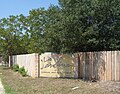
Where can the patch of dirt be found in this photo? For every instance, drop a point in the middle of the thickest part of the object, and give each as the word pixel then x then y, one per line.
pixel 30 85
pixel 111 86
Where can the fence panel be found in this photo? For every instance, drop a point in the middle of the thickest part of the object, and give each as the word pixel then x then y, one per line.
pixel 103 65
pixel 29 61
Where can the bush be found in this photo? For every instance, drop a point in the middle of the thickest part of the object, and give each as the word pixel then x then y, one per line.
pixel 22 71
pixel 15 67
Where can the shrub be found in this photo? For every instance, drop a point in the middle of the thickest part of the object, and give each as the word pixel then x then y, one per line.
pixel 15 67
pixel 22 71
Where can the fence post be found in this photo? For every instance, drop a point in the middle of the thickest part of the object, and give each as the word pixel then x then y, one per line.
pixel 38 65
pixel 78 61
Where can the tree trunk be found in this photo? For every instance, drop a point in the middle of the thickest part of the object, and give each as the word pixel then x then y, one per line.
pixel 11 61
pixel 10 58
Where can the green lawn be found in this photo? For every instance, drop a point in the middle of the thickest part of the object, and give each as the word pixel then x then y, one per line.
pixel 14 83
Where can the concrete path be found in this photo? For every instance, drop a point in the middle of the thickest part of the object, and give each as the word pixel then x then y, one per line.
pixel 1 88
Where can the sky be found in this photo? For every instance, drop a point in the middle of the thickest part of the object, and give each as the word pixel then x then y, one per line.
pixel 16 7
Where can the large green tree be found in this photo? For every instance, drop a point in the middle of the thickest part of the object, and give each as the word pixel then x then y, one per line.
pixel 10 36
pixel 91 25
pixel 73 26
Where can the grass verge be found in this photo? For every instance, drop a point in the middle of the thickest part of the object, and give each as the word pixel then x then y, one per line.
pixel 8 90
pixel 14 83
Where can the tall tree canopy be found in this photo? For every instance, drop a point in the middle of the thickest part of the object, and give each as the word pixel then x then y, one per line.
pixel 91 25
pixel 73 26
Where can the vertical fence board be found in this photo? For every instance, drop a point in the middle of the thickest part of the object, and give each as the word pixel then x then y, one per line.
pixel 103 71
pixel 101 65
pixel 96 65
pixel 81 64
pixel 117 65
pixel 109 65
pixel 84 66
pixel 92 64
pixel 113 65
pixel 105 59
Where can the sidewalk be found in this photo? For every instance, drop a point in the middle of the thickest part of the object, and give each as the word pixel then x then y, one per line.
pixel 1 88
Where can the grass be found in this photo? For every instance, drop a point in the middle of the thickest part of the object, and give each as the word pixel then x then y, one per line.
pixel 14 83
pixel 8 90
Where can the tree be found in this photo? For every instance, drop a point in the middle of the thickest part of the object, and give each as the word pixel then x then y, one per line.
pixel 73 26
pixel 36 22
pixel 52 30
pixel 91 25
pixel 10 36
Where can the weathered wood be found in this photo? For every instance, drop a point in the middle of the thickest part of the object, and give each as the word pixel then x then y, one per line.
pixel 103 65
pixel 117 66
pixel 100 65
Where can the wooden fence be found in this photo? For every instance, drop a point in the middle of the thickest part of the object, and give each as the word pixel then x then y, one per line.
pixel 29 61
pixel 86 65
pixel 99 65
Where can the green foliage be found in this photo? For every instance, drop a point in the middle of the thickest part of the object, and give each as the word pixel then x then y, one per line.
pixel 73 26
pixel 90 25
pixel 22 71
pixel 11 37
pixel 15 67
